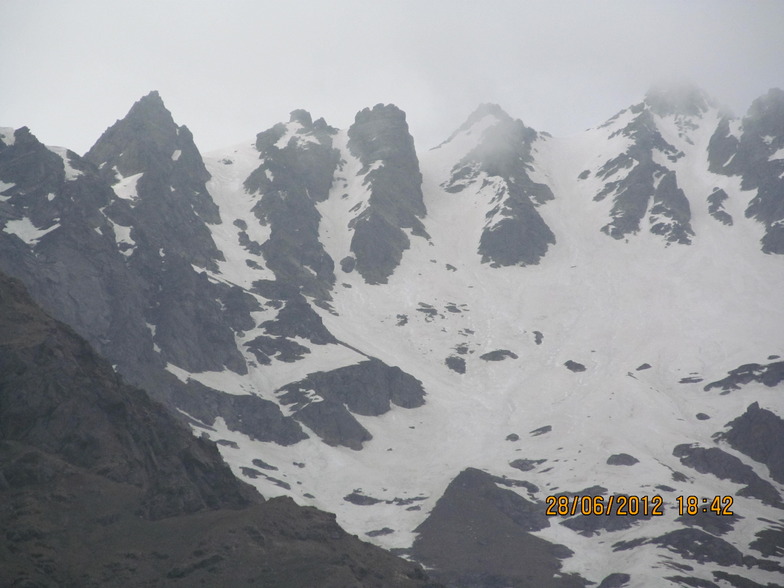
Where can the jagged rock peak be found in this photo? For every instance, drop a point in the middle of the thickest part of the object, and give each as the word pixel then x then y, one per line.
pixel 318 127
pixel 682 98
pixel 150 110
pixel 482 111
pixel 381 133
pixel 767 112
pixel 20 136
pixel 152 98
pixel 301 116
pixel 380 110
pixel 487 109
pixel 145 137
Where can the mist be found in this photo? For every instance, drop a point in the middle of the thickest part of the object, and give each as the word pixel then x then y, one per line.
pixel 231 70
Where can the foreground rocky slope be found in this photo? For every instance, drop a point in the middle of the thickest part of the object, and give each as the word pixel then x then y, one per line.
pixel 101 486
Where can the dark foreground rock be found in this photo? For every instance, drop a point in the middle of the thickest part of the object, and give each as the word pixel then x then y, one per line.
pixel 100 486
pixel 479 534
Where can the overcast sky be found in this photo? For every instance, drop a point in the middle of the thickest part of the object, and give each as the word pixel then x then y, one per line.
pixel 229 69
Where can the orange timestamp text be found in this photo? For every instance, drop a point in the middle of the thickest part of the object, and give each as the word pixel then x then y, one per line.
pixel 632 505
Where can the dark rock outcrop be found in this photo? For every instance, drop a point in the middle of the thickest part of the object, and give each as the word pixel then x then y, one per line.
pixel 58 396
pixel 770 374
pixel 574 366
pixel 479 535
pixel 759 433
pixel 498 355
pixel 725 466
pixel 670 214
pixel 755 154
pixel 323 400
pixel 514 231
pixel 291 179
pixel 456 364
pixel 379 138
pixel 617 580
pixel 710 522
pixel 259 419
pixel 131 238
pixel 698 545
pixel 171 201
pixel 716 206
pixel 638 182
pixel 622 459
pixel 101 486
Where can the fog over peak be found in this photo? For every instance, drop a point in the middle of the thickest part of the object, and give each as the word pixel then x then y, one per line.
pixel 677 97
pixel 230 71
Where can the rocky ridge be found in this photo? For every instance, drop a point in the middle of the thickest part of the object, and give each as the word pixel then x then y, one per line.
pixel 349 301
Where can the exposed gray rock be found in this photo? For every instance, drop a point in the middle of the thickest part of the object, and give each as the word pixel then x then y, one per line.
pixel 759 433
pixel 526 465
pixel 498 355
pixel 480 535
pixel 380 135
pixel 367 388
pixel 249 414
pixel 61 398
pixel 738 581
pixel 250 472
pixel 260 463
pixel 617 580
pixel 574 366
pixel 380 532
pixel 456 364
pixel 515 233
pixel 690 380
pixel 265 349
pixel 634 190
pixel 749 156
pixel 298 319
pixel 290 180
pixel 700 546
pixel 771 375
pixel 725 466
pixel 428 310
pixel 770 542
pixel 692 582
pixel 173 203
pixel 716 206
pixel 591 525
pixel 75 271
pixel 622 459
pixel 360 499
pixel 331 421
pixel 710 522
pixel 722 148
pixel 191 329
pixel 670 213
pixel 348 263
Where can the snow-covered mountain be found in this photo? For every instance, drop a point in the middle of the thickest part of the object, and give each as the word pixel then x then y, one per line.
pixel 430 344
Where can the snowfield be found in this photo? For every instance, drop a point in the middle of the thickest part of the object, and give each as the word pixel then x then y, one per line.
pixel 691 312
